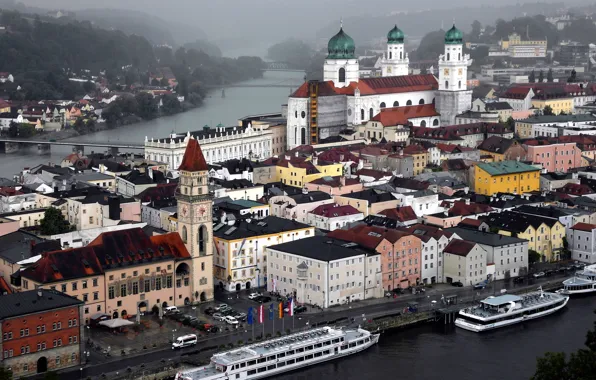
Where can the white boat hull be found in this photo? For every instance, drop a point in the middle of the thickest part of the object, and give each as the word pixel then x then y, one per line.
pixel 466 325
pixel 576 292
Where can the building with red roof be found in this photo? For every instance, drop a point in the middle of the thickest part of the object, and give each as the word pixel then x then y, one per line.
pixel 465 262
pixel 332 216
pixel 335 185
pixel 405 215
pixel 582 242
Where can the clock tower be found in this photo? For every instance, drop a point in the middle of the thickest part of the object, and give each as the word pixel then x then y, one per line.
pixel 194 219
pixel 453 97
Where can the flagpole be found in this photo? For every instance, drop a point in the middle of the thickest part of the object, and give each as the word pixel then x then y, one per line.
pixel 253 324
pixel 273 326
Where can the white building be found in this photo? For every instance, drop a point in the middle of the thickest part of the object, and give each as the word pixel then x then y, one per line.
pixel 464 262
pixel 12 200
pixel 582 242
pixel 218 144
pixel 77 239
pixel 509 254
pixel 324 272
pixel 342 98
pixel 332 216
pixel 241 260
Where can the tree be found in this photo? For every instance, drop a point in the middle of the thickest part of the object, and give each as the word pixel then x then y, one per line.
pixel 562 113
pixel 547 110
pixel 53 222
pixel 533 256
pixel 476 29
pixel 146 105
pixel 573 77
pixel 549 75
pixel 295 53
pixel 532 77
pixel 170 104
pixel 5 374
pixel 541 76
pixel 510 123
pixel 164 82
pixel 581 364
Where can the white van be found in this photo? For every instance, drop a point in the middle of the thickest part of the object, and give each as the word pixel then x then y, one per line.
pixel 184 341
pixel 171 309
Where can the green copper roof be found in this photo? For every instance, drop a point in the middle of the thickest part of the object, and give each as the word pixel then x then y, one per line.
pixel 341 46
pixel 506 167
pixel 395 36
pixel 454 36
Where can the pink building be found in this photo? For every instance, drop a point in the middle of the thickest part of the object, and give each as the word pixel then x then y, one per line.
pixel 554 157
pixel 335 185
pixel 400 253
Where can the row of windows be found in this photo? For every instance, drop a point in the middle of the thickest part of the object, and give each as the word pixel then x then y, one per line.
pixel 146 286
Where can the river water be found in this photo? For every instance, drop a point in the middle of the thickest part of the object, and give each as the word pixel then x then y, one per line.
pixel 239 102
pixel 433 353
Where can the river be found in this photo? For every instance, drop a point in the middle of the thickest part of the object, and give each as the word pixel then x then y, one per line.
pixel 239 102
pixel 427 353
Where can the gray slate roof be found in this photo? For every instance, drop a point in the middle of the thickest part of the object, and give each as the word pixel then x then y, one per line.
pixel 484 238
pixel 30 302
pixel 322 248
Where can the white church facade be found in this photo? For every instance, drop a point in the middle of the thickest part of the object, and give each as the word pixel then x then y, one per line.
pixel 321 109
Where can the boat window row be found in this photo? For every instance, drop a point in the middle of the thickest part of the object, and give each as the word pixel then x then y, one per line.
pixel 282 364
pixel 513 316
pixel 580 287
pixel 287 353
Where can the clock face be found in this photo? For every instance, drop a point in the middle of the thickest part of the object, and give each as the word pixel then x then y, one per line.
pixel 184 210
pixel 202 210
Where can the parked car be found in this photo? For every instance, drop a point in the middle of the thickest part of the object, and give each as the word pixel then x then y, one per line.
pixel 539 274
pixel 252 296
pixel 209 311
pixel 240 316
pixel 218 317
pixel 457 284
pixel 211 329
pixel 230 320
pixel 297 309
pixel 480 285
pixel 263 299
pixel 221 306
pixel 548 272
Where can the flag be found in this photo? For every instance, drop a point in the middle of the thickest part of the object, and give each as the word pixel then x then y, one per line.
pixel 291 307
pixel 281 310
pixel 249 316
pixel 271 314
pixel 274 284
pixel 261 319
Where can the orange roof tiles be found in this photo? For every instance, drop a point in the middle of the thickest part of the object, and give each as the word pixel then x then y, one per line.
pixel 401 115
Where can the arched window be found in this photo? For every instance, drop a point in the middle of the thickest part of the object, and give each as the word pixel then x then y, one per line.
pixel 459 56
pixel 396 104
pixel 459 84
pixel 303 136
pixel 401 55
pixel 342 75
pixel 296 114
pixel 435 122
pixel 296 135
pixel 423 123
pixel 203 239
pixel 390 55
pixel 421 101
pixel 448 56
pixel 409 103
pixel 184 234
pixel 370 113
pixel 383 105
pixel 362 114
pixel 446 84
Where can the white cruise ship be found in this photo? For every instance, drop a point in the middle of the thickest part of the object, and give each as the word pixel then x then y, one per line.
pixel 276 356
pixel 508 309
pixel 581 283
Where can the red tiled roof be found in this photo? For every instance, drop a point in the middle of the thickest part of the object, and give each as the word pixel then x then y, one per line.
pixel 415 149
pixel 471 222
pixel 8 191
pixel 584 227
pixel 371 86
pixel 401 115
pixel 193 160
pixel 368 236
pixel 517 92
pixel 159 192
pixel 402 214
pixel 116 248
pixel 333 210
pixel 575 189
pixel 460 208
pixel 459 247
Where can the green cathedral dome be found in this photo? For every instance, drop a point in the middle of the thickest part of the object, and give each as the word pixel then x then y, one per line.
pixel 454 36
pixel 395 36
pixel 341 46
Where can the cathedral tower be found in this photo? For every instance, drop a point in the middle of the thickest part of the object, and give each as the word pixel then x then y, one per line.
pixel 395 61
pixel 453 97
pixel 195 226
pixel 341 65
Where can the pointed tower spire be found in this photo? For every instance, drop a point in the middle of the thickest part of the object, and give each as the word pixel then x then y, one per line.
pixel 193 160
pixel 341 23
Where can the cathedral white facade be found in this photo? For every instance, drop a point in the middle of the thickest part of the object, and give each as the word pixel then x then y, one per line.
pixel 321 109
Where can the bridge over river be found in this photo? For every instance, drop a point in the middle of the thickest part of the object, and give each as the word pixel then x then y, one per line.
pixel 10 145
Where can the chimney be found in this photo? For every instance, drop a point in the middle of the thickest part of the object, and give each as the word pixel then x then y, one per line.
pixel 296 154
pixel 468 201
pixel 342 181
pixel 315 160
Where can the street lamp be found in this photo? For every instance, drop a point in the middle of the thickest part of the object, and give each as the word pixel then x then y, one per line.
pixel 81 373
pixel 173 333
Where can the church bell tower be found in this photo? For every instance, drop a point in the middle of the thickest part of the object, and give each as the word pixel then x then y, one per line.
pixel 195 225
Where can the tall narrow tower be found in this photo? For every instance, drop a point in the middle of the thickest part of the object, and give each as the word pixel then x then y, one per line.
pixel 453 97
pixel 195 219
pixel 395 61
pixel 341 65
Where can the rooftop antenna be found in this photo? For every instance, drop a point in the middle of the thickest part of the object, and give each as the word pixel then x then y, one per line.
pixel 341 23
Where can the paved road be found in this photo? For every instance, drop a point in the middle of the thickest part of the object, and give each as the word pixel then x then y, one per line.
pixel 370 308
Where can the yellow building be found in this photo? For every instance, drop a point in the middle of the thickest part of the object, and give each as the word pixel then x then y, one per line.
pixel 558 105
pixel 506 177
pixel 419 156
pixel 240 260
pixel 515 39
pixel 296 171
pixel 523 128
pixel 544 235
